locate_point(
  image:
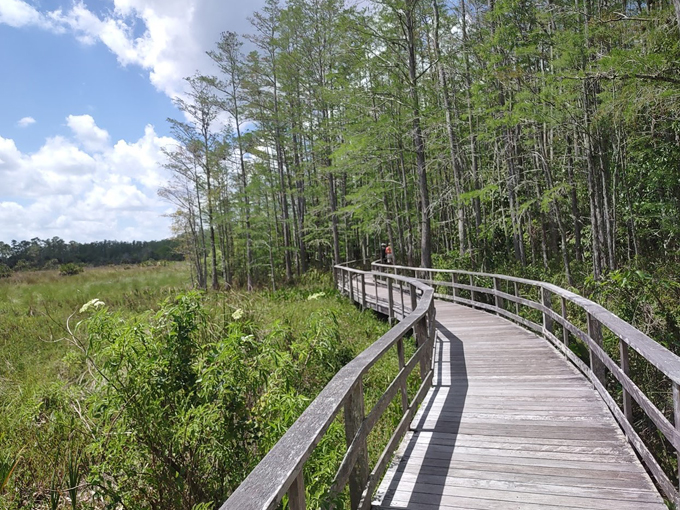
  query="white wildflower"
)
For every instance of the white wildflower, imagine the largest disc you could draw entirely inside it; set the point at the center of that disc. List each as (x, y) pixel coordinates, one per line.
(316, 296)
(92, 303)
(237, 314)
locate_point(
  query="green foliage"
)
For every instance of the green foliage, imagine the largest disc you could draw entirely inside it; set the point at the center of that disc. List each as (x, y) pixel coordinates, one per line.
(70, 269)
(184, 406)
(5, 271)
(73, 478)
(171, 406)
(50, 253)
(23, 265)
(51, 264)
(7, 466)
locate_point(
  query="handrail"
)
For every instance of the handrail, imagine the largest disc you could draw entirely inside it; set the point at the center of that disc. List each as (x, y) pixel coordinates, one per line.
(281, 470)
(596, 317)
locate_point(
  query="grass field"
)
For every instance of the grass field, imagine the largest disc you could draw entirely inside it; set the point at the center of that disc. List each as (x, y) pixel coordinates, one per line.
(266, 353)
(35, 305)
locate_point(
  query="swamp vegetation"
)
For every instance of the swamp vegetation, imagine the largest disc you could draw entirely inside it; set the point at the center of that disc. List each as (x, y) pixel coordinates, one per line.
(124, 389)
(539, 139)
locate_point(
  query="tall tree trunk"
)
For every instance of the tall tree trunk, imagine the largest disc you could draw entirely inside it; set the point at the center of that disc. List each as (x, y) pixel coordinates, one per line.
(555, 208)
(246, 197)
(592, 191)
(476, 203)
(418, 139)
(300, 187)
(578, 245)
(280, 161)
(512, 183)
(211, 216)
(453, 142)
(409, 225)
(333, 202)
(203, 277)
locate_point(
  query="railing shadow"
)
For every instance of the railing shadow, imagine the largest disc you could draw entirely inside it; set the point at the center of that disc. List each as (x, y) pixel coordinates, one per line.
(435, 431)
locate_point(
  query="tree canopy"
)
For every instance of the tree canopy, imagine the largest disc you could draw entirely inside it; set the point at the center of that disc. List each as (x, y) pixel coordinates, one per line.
(497, 132)
(50, 253)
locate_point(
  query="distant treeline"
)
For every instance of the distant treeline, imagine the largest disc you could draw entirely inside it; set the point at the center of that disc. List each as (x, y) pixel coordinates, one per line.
(50, 253)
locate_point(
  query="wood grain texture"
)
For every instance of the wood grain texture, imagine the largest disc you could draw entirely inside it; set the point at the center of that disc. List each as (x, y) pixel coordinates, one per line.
(266, 485)
(508, 424)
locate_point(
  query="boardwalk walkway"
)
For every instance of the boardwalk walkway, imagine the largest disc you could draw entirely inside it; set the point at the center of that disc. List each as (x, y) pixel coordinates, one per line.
(504, 417)
(509, 424)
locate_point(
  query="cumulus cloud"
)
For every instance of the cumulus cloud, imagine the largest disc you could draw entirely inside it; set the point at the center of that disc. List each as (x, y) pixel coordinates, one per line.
(17, 13)
(84, 187)
(26, 121)
(92, 137)
(176, 33)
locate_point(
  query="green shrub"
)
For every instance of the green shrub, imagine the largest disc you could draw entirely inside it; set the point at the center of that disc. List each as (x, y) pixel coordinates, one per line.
(171, 405)
(51, 264)
(22, 265)
(70, 269)
(5, 271)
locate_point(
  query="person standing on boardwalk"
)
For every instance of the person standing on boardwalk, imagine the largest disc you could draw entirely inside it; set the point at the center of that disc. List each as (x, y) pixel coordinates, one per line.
(389, 255)
(383, 253)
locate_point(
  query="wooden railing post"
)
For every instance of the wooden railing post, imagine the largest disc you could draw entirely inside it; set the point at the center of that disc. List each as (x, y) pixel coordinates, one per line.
(565, 331)
(497, 299)
(351, 287)
(472, 292)
(342, 270)
(454, 282)
(402, 386)
(363, 290)
(627, 400)
(676, 423)
(390, 302)
(296, 493)
(401, 291)
(595, 333)
(354, 415)
(414, 298)
(431, 333)
(516, 295)
(421, 338)
(375, 284)
(546, 300)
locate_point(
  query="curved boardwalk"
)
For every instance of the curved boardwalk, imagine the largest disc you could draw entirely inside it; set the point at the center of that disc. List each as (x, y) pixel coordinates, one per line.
(509, 424)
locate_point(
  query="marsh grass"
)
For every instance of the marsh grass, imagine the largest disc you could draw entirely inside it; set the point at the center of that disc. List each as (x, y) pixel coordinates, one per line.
(36, 363)
(35, 305)
(45, 383)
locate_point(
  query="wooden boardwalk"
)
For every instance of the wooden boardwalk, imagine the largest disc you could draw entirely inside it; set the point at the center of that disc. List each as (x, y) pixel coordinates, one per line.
(502, 419)
(509, 424)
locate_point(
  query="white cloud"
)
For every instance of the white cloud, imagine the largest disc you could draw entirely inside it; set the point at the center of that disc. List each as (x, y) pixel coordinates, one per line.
(85, 187)
(26, 121)
(92, 137)
(176, 33)
(17, 13)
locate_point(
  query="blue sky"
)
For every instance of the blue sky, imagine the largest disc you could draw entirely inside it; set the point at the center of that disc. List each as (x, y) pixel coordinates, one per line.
(86, 90)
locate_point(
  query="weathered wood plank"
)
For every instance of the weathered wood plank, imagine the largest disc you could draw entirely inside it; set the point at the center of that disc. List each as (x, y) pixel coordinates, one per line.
(266, 485)
(509, 424)
(533, 489)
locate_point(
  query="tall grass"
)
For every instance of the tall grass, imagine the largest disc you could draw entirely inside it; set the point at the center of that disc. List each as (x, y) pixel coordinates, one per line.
(34, 307)
(53, 435)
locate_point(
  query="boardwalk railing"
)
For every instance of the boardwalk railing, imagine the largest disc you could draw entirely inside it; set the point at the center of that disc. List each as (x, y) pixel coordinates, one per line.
(556, 306)
(281, 470)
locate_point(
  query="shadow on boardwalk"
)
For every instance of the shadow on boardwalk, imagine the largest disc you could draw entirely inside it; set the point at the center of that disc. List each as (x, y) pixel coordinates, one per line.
(442, 413)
